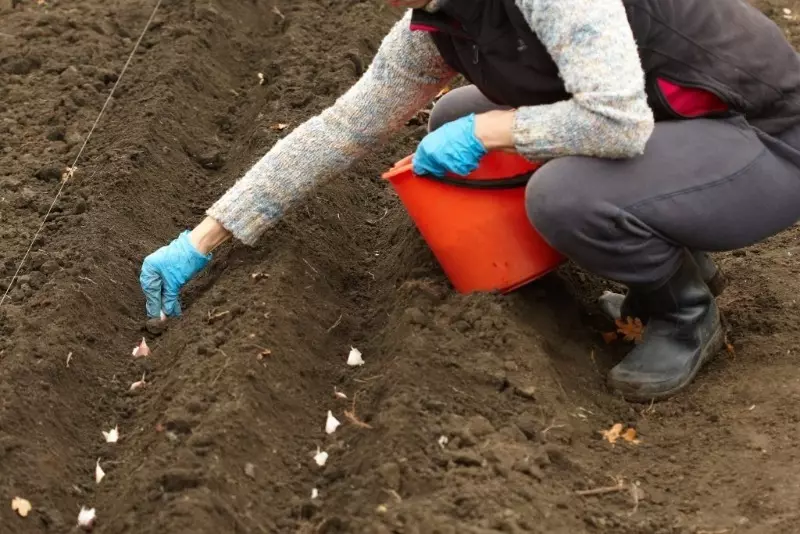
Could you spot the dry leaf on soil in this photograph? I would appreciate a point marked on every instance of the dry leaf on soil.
(609, 337)
(630, 436)
(279, 127)
(21, 506)
(631, 328)
(616, 432)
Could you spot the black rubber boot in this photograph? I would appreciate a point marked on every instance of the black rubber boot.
(683, 332)
(618, 306)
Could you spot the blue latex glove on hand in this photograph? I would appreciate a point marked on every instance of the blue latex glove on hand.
(451, 148)
(166, 271)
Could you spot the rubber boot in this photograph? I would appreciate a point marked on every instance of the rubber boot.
(618, 306)
(683, 332)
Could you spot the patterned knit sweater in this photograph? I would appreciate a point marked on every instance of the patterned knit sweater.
(591, 43)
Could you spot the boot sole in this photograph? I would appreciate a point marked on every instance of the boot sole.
(714, 345)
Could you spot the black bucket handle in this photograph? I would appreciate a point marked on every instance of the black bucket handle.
(520, 180)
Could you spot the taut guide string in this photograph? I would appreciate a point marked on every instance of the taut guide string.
(72, 168)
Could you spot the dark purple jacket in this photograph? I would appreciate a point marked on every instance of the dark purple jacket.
(726, 47)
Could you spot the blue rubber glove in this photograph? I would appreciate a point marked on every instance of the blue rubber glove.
(166, 271)
(452, 147)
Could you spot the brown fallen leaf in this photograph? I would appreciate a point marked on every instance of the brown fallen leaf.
(352, 417)
(630, 436)
(609, 337)
(442, 93)
(616, 432)
(632, 328)
(263, 354)
(612, 434)
(21, 506)
(279, 127)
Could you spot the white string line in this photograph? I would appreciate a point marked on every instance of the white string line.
(72, 168)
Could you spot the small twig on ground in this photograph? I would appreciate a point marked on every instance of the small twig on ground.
(621, 486)
(338, 321)
(351, 416)
(363, 380)
(379, 219)
(227, 361)
(87, 279)
(394, 494)
(310, 266)
(278, 12)
(650, 409)
(69, 359)
(636, 494)
(213, 317)
(372, 275)
(550, 427)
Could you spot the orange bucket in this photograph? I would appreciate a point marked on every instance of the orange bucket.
(476, 225)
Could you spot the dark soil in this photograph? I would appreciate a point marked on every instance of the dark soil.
(222, 439)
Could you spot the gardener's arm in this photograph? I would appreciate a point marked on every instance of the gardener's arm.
(406, 75)
(593, 46)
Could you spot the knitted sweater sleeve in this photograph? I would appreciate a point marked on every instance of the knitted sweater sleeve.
(593, 46)
(405, 75)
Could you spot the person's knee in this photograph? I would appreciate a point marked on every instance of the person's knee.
(557, 207)
(449, 108)
(458, 103)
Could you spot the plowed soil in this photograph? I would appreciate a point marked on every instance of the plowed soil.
(222, 437)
